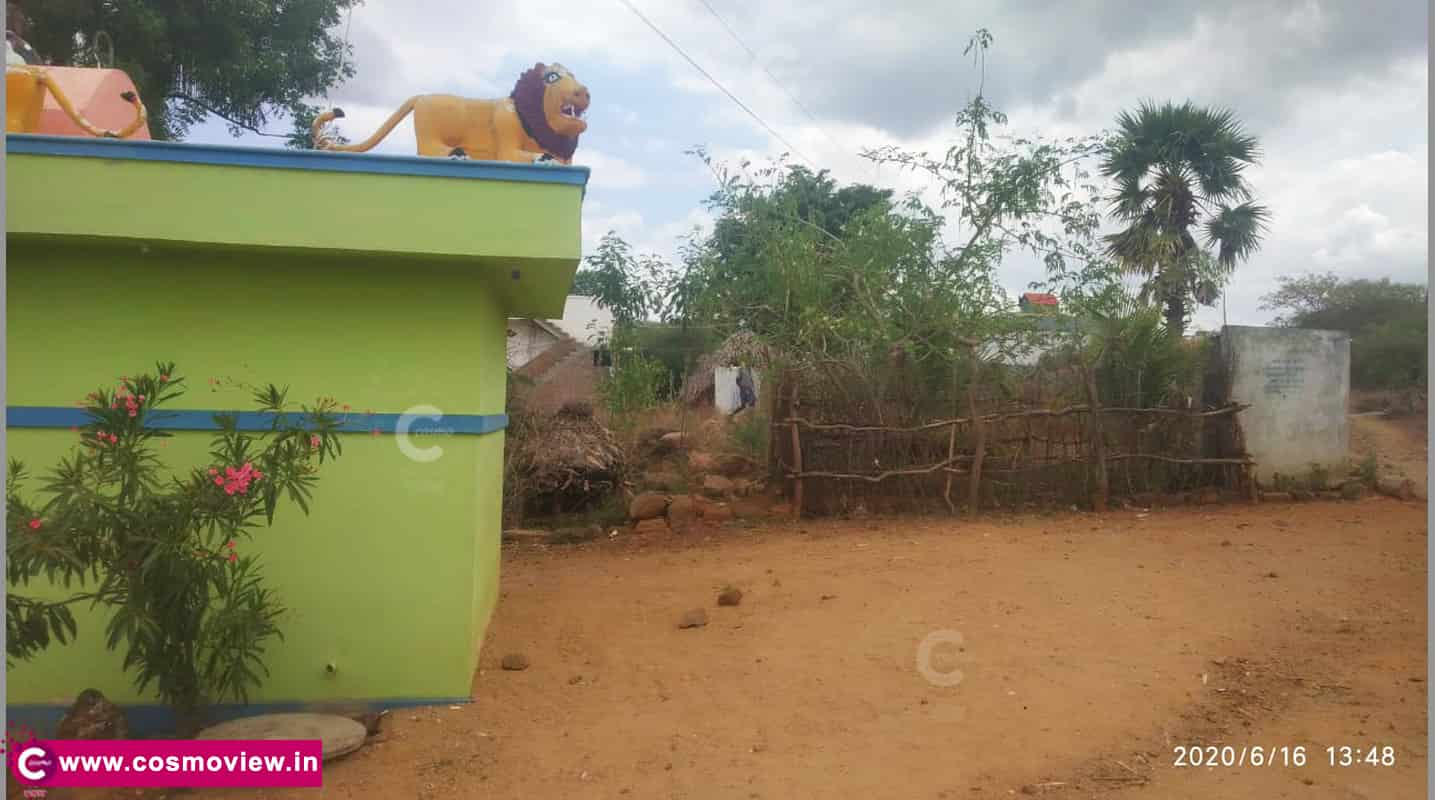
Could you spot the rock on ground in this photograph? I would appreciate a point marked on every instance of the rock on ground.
(676, 440)
(698, 461)
(648, 505)
(696, 618)
(730, 596)
(717, 486)
(683, 512)
(514, 662)
(1402, 488)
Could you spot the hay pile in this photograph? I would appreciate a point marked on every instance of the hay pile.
(567, 462)
(740, 348)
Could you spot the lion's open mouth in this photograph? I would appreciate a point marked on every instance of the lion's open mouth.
(571, 110)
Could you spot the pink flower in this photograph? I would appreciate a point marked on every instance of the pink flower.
(314, 441)
(230, 544)
(114, 438)
(229, 489)
(164, 379)
(218, 481)
(233, 557)
(134, 413)
(35, 524)
(213, 471)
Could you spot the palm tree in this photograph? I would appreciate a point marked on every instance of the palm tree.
(1178, 168)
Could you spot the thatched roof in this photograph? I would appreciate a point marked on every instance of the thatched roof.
(571, 442)
(741, 348)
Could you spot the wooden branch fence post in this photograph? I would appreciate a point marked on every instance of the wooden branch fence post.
(979, 443)
(796, 455)
(951, 454)
(1098, 441)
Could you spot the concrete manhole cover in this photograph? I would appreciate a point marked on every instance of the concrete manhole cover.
(340, 735)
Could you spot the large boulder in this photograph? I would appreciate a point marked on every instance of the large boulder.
(732, 465)
(683, 513)
(1401, 488)
(648, 505)
(652, 438)
(698, 461)
(676, 440)
(717, 486)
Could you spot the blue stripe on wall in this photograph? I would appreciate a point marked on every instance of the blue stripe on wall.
(281, 158)
(451, 424)
(152, 720)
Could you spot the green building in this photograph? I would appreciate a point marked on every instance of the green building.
(382, 281)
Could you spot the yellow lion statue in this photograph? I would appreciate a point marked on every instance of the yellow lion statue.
(540, 120)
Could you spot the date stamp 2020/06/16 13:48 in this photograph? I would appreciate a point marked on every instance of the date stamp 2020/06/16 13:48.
(1349, 755)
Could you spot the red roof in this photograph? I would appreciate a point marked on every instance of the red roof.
(1040, 298)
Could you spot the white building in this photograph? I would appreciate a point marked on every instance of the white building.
(584, 321)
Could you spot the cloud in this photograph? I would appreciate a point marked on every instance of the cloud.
(1336, 91)
(609, 171)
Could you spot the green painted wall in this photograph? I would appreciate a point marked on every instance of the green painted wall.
(490, 226)
(394, 574)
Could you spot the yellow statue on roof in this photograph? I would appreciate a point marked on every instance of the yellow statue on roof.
(540, 120)
(27, 80)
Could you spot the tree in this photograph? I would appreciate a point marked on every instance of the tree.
(1387, 322)
(1179, 168)
(245, 62)
(620, 282)
(736, 255)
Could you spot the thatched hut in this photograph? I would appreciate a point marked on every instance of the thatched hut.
(566, 462)
(742, 348)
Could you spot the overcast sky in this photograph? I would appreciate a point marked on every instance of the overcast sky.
(1336, 92)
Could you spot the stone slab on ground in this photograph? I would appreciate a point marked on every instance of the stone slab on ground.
(340, 735)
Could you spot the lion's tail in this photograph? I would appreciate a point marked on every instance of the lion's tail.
(324, 143)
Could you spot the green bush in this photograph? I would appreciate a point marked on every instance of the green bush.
(164, 551)
(676, 347)
(750, 433)
(633, 385)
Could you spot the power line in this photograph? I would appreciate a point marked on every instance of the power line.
(768, 72)
(714, 82)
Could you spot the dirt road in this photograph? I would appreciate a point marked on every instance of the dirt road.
(1400, 444)
(1073, 654)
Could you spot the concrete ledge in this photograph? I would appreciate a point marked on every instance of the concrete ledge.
(155, 721)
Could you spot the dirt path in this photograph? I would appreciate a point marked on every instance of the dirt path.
(1090, 647)
(1400, 443)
